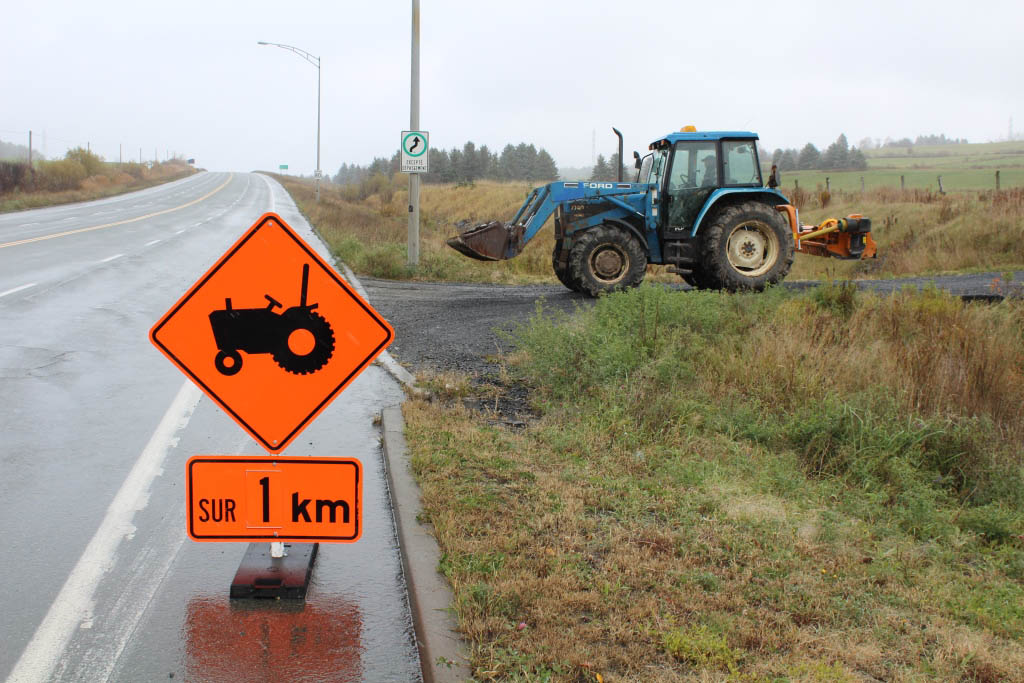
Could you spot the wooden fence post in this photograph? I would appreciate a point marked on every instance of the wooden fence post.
(997, 181)
(902, 183)
(940, 186)
(862, 183)
(828, 185)
(796, 183)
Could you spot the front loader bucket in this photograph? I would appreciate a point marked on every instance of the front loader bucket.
(494, 241)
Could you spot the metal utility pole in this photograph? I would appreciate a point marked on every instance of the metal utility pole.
(315, 61)
(414, 124)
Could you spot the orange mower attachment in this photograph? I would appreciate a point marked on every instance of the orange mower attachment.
(843, 238)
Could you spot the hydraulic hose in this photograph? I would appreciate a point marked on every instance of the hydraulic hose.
(828, 225)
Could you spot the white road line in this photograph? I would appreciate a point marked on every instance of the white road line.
(180, 231)
(270, 189)
(17, 289)
(69, 218)
(111, 258)
(75, 600)
(25, 225)
(123, 222)
(152, 242)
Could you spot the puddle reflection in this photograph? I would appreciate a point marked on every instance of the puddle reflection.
(273, 640)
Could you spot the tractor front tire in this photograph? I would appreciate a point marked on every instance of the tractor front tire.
(562, 273)
(748, 246)
(607, 259)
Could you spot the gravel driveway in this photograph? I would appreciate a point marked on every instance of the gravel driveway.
(453, 326)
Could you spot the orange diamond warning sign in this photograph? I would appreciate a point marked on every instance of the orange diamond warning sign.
(271, 333)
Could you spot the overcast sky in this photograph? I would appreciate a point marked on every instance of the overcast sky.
(188, 76)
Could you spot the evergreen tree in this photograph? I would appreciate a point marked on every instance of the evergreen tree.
(546, 169)
(857, 160)
(788, 160)
(506, 170)
(439, 166)
(837, 155)
(600, 171)
(458, 166)
(470, 162)
(487, 163)
(527, 161)
(614, 164)
(809, 159)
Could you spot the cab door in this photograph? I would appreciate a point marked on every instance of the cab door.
(694, 173)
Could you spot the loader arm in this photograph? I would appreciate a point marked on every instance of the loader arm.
(497, 241)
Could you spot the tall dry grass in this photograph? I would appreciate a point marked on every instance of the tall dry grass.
(83, 176)
(824, 485)
(370, 234)
(919, 232)
(937, 355)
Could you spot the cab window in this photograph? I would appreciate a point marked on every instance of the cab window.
(695, 165)
(645, 169)
(739, 163)
(658, 167)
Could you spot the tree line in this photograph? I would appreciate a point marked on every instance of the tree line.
(841, 156)
(837, 156)
(470, 163)
(606, 171)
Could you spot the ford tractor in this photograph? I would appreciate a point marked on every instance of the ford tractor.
(697, 205)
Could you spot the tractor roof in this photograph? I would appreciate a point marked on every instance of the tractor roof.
(673, 138)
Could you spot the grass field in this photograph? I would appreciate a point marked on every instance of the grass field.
(962, 167)
(777, 487)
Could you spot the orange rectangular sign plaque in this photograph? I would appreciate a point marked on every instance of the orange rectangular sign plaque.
(248, 498)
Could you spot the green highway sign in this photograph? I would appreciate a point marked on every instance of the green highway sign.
(283, 167)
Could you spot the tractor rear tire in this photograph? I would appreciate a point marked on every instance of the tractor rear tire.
(607, 259)
(748, 246)
(563, 273)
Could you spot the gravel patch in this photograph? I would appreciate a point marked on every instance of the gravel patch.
(458, 327)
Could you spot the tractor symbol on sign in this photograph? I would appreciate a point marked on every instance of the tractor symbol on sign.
(300, 340)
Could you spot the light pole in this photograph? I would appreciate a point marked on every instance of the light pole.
(315, 61)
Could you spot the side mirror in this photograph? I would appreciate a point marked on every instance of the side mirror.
(636, 159)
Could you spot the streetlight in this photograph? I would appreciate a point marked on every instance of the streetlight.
(315, 61)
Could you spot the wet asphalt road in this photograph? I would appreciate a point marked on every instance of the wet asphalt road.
(100, 580)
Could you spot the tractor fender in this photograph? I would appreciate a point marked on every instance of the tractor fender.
(622, 225)
(772, 197)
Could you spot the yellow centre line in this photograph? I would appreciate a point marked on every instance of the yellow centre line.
(127, 220)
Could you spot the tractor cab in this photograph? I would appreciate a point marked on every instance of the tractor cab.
(686, 168)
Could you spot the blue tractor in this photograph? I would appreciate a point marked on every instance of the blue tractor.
(697, 205)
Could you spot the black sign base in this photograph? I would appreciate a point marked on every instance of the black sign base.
(262, 576)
